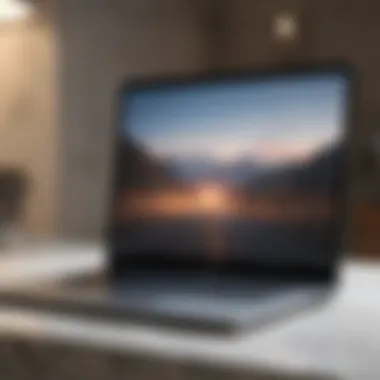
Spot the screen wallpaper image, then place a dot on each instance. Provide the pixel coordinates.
(237, 169)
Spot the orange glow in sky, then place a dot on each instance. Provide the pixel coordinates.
(212, 197)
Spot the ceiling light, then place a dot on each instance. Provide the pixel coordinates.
(13, 10)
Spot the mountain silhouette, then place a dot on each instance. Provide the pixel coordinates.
(318, 175)
(136, 169)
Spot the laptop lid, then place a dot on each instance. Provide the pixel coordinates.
(235, 172)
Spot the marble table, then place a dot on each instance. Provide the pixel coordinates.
(340, 340)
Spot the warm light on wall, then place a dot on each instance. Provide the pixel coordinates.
(286, 26)
(13, 10)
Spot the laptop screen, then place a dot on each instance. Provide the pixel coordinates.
(231, 170)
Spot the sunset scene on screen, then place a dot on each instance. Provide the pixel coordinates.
(230, 167)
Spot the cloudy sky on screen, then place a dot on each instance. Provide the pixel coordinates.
(272, 120)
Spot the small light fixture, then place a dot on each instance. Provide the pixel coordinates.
(14, 10)
(286, 26)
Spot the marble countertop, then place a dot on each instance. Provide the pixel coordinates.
(342, 338)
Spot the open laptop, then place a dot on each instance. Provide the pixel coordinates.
(228, 200)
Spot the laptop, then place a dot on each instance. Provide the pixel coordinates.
(228, 200)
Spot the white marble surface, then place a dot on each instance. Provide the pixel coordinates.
(41, 262)
(342, 338)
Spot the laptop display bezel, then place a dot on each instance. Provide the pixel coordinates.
(119, 263)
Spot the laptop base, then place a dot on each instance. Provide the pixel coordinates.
(203, 302)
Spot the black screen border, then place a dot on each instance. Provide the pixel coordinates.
(119, 263)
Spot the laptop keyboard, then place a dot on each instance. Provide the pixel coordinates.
(198, 288)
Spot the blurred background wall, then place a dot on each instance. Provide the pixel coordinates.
(97, 43)
(28, 128)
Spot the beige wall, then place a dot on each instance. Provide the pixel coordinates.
(27, 123)
(101, 41)
(58, 127)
